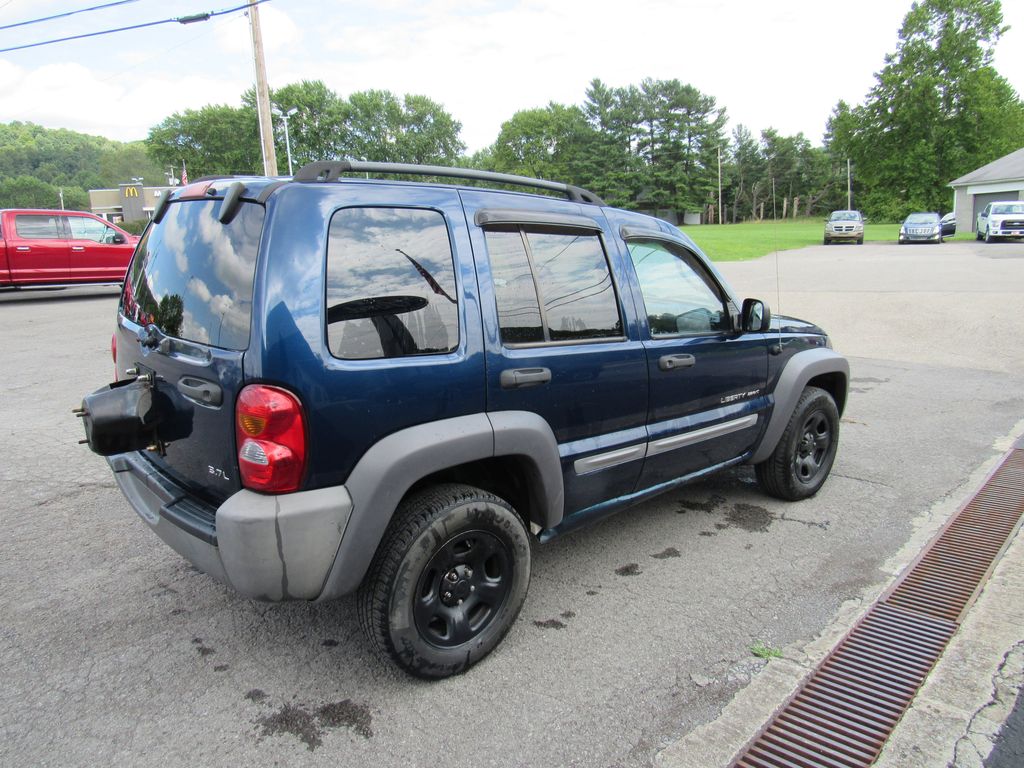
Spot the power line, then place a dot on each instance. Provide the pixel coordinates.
(66, 14)
(179, 20)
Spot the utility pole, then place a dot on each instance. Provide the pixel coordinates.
(262, 93)
(720, 184)
(849, 188)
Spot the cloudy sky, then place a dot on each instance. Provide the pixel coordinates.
(770, 63)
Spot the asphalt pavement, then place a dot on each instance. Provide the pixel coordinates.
(634, 646)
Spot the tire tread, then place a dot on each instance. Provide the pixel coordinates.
(773, 474)
(416, 513)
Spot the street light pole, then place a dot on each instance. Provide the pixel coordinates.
(287, 141)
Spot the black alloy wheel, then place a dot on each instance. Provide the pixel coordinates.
(447, 582)
(803, 457)
(813, 447)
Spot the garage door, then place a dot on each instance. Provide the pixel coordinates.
(980, 201)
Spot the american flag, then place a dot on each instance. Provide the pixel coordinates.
(184, 173)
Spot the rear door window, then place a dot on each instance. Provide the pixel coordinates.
(390, 284)
(38, 227)
(552, 285)
(192, 276)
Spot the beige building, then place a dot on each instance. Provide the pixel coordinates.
(129, 202)
(1002, 179)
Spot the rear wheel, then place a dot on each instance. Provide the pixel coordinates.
(447, 582)
(804, 455)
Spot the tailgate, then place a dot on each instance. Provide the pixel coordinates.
(184, 321)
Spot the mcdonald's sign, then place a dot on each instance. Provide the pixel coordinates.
(132, 202)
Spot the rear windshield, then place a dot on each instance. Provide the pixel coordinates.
(192, 276)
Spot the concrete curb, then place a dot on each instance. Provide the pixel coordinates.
(958, 712)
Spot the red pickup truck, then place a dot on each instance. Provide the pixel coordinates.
(61, 249)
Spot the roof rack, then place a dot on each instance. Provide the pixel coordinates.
(331, 170)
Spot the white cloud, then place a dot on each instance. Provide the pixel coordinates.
(71, 95)
(276, 27)
(782, 65)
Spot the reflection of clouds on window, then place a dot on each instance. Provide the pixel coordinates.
(213, 266)
(190, 329)
(390, 284)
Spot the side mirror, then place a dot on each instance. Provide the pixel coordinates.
(119, 239)
(755, 316)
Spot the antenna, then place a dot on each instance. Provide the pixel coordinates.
(778, 282)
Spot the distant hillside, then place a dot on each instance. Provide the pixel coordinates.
(37, 162)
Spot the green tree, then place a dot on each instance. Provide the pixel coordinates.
(216, 139)
(316, 130)
(938, 109)
(611, 166)
(379, 126)
(546, 143)
(64, 158)
(30, 192)
(370, 125)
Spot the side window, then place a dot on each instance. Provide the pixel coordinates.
(552, 285)
(37, 227)
(679, 296)
(390, 284)
(83, 228)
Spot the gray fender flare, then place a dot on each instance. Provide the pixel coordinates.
(394, 464)
(799, 370)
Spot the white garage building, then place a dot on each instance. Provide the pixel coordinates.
(1002, 179)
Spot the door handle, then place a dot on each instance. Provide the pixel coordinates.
(200, 390)
(520, 378)
(77, 247)
(671, 362)
(23, 248)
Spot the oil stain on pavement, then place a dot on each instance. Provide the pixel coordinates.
(309, 725)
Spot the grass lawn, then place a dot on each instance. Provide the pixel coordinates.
(749, 240)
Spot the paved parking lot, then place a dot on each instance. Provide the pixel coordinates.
(636, 631)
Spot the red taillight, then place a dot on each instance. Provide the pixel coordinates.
(113, 352)
(271, 436)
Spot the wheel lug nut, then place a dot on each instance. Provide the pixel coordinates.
(460, 602)
(452, 576)
(469, 573)
(472, 589)
(447, 595)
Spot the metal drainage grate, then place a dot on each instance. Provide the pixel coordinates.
(845, 711)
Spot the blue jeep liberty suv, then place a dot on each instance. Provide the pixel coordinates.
(332, 383)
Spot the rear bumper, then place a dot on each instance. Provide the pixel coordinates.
(265, 547)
